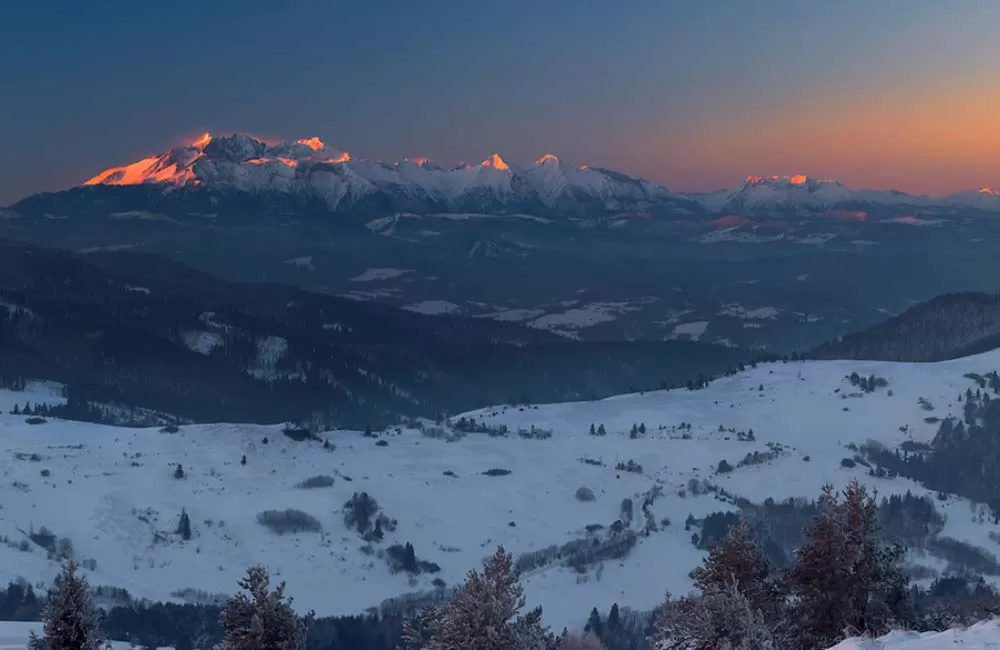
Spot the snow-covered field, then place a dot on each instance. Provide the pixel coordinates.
(977, 637)
(112, 491)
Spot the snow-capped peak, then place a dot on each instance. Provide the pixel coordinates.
(544, 158)
(496, 162)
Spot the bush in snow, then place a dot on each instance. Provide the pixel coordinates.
(289, 520)
(585, 494)
(318, 481)
(360, 511)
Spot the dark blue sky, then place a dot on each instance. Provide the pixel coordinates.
(694, 94)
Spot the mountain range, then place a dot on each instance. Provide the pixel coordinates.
(310, 169)
(777, 263)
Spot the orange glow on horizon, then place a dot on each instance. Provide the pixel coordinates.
(419, 161)
(313, 143)
(798, 179)
(937, 138)
(545, 157)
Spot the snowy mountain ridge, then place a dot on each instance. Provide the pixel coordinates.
(759, 194)
(311, 168)
(545, 489)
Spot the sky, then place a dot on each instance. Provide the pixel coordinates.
(694, 94)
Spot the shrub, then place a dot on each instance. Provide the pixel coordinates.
(289, 520)
(724, 467)
(35, 420)
(170, 428)
(585, 494)
(496, 472)
(318, 481)
(849, 463)
(359, 512)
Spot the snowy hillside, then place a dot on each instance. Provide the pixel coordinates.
(117, 496)
(977, 637)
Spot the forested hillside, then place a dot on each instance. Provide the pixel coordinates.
(142, 331)
(947, 327)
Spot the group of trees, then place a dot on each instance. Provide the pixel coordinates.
(844, 580)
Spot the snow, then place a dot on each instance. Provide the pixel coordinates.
(381, 273)
(201, 342)
(693, 330)
(14, 636)
(758, 313)
(513, 315)
(587, 315)
(433, 307)
(36, 392)
(305, 262)
(110, 489)
(977, 637)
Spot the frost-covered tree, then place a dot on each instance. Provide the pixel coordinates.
(70, 619)
(484, 615)
(262, 618)
(718, 620)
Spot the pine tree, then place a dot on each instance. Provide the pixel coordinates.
(483, 615)
(70, 620)
(594, 623)
(593, 431)
(739, 562)
(262, 619)
(184, 526)
(179, 472)
(844, 577)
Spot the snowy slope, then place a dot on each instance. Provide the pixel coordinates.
(977, 637)
(112, 490)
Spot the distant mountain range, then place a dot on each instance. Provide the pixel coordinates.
(309, 169)
(775, 263)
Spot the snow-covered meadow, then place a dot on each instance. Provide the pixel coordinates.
(113, 491)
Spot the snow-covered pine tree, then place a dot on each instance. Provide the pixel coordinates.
(739, 562)
(718, 620)
(483, 615)
(262, 619)
(70, 620)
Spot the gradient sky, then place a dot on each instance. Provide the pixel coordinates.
(695, 94)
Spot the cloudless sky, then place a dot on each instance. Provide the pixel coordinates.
(695, 94)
